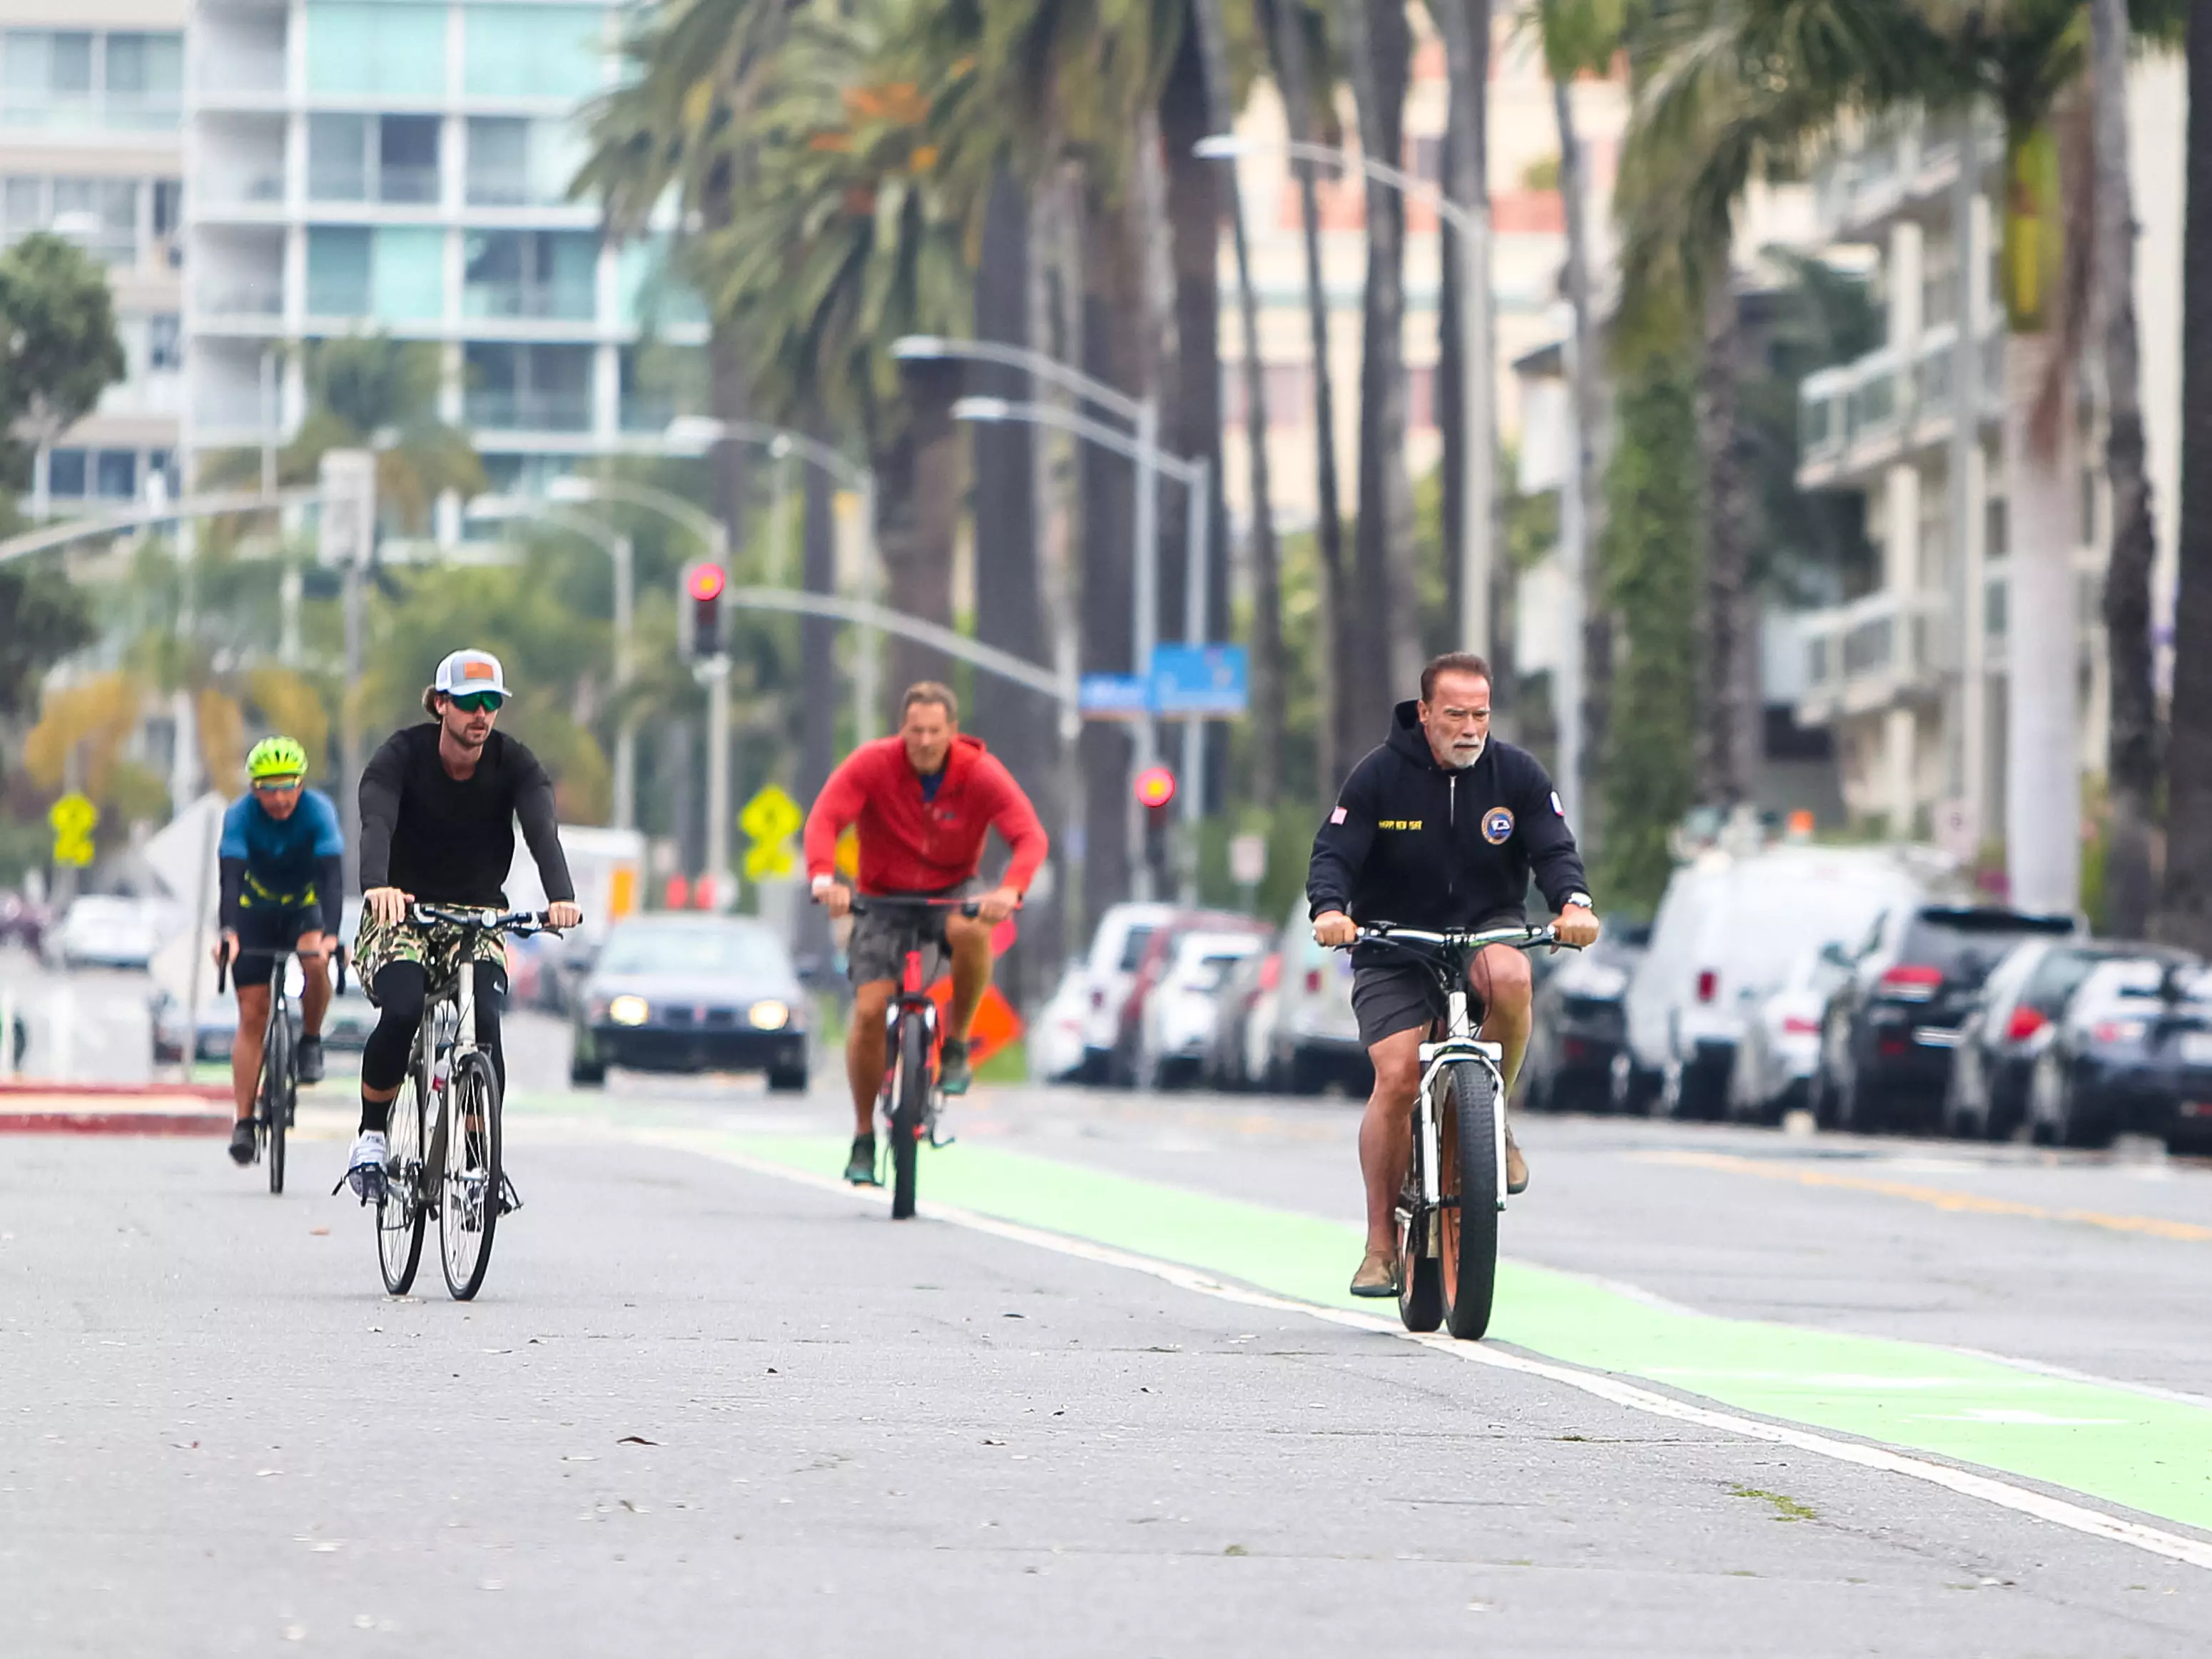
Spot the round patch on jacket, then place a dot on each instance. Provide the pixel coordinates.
(1497, 825)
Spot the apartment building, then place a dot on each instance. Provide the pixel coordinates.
(1912, 677)
(90, 150)
(397, 167)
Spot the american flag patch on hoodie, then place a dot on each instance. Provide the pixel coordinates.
(1337, 817)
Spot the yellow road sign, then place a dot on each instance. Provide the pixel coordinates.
(73, 817)
(771, 816)
(770, 860)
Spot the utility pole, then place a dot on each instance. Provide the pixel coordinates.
(347, 540)
(625, 667)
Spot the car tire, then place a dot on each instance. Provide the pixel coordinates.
(582, 1074)
(1308, 1073)
(787, 1079)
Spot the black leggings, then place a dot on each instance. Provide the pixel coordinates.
(402, 988)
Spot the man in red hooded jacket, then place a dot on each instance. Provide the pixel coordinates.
(925, 799)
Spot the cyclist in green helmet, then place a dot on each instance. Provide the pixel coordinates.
(283, 881)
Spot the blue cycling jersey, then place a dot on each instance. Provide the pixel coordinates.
(283, 856)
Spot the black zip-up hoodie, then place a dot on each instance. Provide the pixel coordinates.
(1420, 844)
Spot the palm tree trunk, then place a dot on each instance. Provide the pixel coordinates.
(1331, 763)
(1728, 729)
(1192, 420)
(918, 475)
(1385, 643)
(1020, 725)
(1465, 27)
(1114, 318)
(1583, 388)
(2132, 751)
(1266, 636)
(817, 673)
(2185, 907)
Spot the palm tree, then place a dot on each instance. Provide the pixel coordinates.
(1291, 39)
(2186, 901)
(1386, 634)
(1465, 27)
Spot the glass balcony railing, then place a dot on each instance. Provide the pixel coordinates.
(535, 302)
(242, 296)
(528, 411)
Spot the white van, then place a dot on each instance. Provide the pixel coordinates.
(1116, 949)
(1727, 931)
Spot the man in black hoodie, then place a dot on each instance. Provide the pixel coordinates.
(1441, 827)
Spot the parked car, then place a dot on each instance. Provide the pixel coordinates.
(2132, 1047)
(1728, 930)
(2012, 1024)
(1237, 1058)
(102, 930)
(1054, 1040)
(1117, 949)
(691, 994)
(1124, 1061)
(1780, 1051)
(351, 1016)
(1307, 1037)
(1184, 1007)
(1577, 1024)
(215, 1032)
(1893, 1021)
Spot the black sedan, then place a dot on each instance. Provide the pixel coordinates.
(1577, 1024)
(1896, 1015)
(2132, 1055)
(691, 994)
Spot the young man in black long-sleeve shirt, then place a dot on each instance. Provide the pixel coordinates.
(439, 805)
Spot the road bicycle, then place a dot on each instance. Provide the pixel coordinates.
(444, 1145)
(907, 1102)
(276, 1093)
(1455, 1188)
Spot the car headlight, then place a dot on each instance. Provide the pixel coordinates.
(770, 1016)
(628, 1010)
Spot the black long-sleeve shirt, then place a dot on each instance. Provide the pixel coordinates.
(451, 841)
(1417, 843)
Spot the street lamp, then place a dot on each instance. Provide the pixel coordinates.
(1478, 451)
(1195, 477)
(618, 548)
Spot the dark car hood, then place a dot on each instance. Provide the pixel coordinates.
(694, 987)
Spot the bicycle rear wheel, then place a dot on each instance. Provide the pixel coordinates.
(275, 1102)
(909, 1111)
(1467, 1132)
(400, 1216)
(469, 1189)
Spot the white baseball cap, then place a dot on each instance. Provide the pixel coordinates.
(464, 671)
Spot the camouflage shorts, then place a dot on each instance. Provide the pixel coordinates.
(437, 947)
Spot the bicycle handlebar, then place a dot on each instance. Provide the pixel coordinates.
(223, 959)
(1521, 938)
(967, 906)
(481, 918)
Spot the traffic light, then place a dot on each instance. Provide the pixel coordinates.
(703, 587)
(1155, 788)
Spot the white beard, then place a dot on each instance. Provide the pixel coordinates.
(1473, 755)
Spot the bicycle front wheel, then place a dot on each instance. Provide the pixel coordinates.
(910, 1112)
(1468, 1134)
(276, 1105)
(400, 1216)
(469, 1193)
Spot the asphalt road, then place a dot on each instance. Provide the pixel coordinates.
(711, 1402)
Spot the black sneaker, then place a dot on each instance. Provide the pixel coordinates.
(861, 1168)
(311, 1059)
(954, 1073)
(241, 1141)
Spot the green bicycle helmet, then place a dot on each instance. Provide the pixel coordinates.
(276, 757)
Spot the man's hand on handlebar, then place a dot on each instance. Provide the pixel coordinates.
(1575, 926)
(995, 906)
(833, 896)
(225, 948)
(1333, 930)
(387, 905)
(563, 913)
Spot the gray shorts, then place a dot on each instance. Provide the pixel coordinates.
(1390, 996)
(877, 949)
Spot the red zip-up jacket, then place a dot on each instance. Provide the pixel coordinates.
(910, 845)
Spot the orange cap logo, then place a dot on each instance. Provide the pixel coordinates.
(476, 670)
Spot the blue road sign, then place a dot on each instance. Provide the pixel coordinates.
(1111, 696)
(1204, 680)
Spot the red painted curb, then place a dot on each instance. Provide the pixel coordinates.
(113, 1123)
(117, 1091)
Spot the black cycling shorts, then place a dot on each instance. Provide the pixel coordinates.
(1389, 996)
(263, 929)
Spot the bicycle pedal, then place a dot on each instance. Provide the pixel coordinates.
(509, 1200)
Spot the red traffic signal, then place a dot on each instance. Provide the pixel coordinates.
(1156, 787)
(706, 581)
(703, 587)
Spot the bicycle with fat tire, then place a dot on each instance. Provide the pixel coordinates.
(444, 1153)
(907, 1104)
(1455, 1188)
(276, 1094)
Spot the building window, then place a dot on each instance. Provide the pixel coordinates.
(407, 160)
(100, 215)
(378, 49)
(514, 162)
(115, 474)
(531, 52)
(535, 274)
(168, 207)
(337, 272)
(390, 274)
(66, 472)
(529, 387)
(74, 77)
(165, 341)
(337, 158)
(373, 158)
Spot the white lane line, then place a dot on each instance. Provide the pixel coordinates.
(2022, 1500)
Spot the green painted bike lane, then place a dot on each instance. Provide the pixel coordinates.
(2139, 1450)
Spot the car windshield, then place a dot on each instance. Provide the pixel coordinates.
(1208, 971)
(1966, 945)
(2056, 979)
(1132, 948)
(649, 949)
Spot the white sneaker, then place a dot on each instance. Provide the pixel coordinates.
(365, 1166)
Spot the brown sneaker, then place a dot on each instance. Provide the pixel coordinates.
(1378, 1274)
(1517, 1167)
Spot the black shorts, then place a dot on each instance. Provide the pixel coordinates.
(263, 929)
(1389, 996)
(877, 949)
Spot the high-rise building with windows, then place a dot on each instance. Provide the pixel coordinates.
(90, 150)
(401, 168)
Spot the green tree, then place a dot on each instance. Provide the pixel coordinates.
(58, 349)
(43, 618)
